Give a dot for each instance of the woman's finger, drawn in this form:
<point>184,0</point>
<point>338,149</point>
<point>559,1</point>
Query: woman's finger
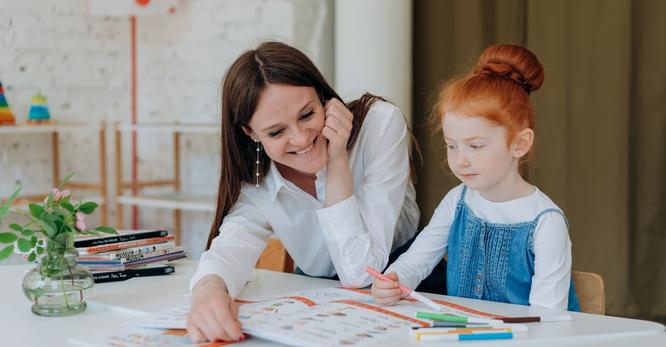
<point>228,322</point>
<point>336,106</point>
<point>335,124</point>
<point>195,334</point>
<point>212,328</point>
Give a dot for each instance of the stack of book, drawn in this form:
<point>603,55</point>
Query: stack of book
<point>131,253</point>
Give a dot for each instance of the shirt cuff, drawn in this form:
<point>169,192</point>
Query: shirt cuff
<point>206,269</point>
<point>341,221</point>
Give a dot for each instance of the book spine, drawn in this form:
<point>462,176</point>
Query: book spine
<point>123,245</point>
<point>116,276</point>
<point>135,257</point>
<point>112,255</point>
<point>120,238</point>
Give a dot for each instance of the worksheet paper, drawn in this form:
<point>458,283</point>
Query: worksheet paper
<point>322,317</point>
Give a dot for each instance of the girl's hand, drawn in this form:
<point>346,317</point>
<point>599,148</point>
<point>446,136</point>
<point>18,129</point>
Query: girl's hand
<point>337,128</point>
<point>213,313</point>
<point>387,293</point>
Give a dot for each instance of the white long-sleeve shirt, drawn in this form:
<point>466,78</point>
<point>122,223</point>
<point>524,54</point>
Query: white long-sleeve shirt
<point>341,239</point>
<point>552,247</point>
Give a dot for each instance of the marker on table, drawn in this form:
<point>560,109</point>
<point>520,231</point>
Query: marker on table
<point>473,320</point>
<point>558,318</point>
<point>516,328</point>
<point>456,319</point>
<point>463,337</point>
<point>420,298</point>
<point>429,330</point>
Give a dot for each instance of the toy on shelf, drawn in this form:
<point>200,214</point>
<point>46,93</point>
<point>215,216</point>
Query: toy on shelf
<point>39,111</point>
<point>6,115</point>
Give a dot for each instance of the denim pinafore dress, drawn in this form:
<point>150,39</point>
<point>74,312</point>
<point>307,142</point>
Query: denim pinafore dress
<point>491,261</point>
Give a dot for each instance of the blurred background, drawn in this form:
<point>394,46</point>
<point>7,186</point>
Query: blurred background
<point>146,76</point>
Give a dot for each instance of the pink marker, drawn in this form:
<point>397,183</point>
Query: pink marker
<point>420,298</point>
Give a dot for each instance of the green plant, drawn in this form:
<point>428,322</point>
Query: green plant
<point>58,219</point>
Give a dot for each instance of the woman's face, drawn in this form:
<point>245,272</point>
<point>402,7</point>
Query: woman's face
<point>288,123</point>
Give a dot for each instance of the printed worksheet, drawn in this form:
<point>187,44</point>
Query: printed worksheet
<point>321,317</point>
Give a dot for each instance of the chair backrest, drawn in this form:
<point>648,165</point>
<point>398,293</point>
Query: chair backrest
<point>591,293</point>
<point>275,257</point>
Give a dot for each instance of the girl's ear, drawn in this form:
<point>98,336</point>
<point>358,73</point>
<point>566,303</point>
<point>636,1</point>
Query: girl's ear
<point>248,131</point>
<point>522,143</point>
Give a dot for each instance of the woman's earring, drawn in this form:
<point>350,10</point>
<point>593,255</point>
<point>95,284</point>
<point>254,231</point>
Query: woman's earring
<point>257,163</point>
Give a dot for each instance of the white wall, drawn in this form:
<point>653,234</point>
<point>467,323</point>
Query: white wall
<point>373,50</point>
<point>82,64</point>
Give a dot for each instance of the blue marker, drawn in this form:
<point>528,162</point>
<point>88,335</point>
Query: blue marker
<point>463,337</point>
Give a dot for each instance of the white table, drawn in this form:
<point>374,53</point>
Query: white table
<point>111,304</point>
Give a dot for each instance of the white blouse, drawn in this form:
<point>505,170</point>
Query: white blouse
<point>342,239</point>
<point>552,247</point>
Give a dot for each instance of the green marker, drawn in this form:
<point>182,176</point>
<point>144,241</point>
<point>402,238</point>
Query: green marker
<point>457,319</point>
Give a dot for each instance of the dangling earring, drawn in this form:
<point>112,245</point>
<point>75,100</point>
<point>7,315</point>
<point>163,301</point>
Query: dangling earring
<point>257,163</point>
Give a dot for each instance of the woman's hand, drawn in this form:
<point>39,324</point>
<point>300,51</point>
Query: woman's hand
<point>387,293</point>
<point>213,315</point>
<point>337,128</point>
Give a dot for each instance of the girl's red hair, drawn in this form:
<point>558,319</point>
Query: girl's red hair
<point>497,89</point>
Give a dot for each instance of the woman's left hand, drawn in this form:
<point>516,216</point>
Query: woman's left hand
<point>337,128</point>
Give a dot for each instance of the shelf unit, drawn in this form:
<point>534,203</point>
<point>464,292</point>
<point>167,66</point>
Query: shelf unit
<point>177,200</point>
<point>275,257</point>
<point>54,130</point>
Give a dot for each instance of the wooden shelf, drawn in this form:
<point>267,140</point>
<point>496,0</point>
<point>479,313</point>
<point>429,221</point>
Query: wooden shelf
<point>170,128</point>
<point>47,128</point>
<point>177,200</point>
<point>171,201</point>
<point>23,203</point>
<point>53,130</point>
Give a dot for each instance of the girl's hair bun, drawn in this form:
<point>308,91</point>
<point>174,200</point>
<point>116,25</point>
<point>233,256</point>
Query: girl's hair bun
<point>512,62</point>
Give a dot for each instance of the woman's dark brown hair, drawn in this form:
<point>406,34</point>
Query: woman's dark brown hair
<point>246,79</point>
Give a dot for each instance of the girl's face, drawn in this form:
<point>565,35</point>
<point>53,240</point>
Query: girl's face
<point>478,154</point>
<point>288,121</point>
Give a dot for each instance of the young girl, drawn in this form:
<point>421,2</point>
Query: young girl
<point>330,180</point>
<point>506,241</point>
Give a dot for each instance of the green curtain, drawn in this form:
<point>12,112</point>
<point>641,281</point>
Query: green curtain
<point>600,152</point>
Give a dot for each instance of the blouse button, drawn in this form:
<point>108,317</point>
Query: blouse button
<point>479,276</point>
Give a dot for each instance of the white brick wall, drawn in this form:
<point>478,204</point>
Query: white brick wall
<point>82,64</point>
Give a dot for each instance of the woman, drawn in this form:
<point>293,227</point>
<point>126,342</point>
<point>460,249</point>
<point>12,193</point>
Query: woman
<point>330,180</point>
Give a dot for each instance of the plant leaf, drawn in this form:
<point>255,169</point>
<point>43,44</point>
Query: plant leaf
<point>66,205</point>
<point>27,233</point>
<point>6,252</point>
<point>47,229</point>
<point>32,257</point>
<point>88,207</point>
<point>15,227</point>
<point>36,210</point>
<point>7,237</point>
<point>24,245</point>
<point>107,230</point>
<point>4,208</point>
<point>65,180</point>
<point>40,249</point>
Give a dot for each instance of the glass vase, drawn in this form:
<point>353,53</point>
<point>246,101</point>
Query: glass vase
<point>58,285</point>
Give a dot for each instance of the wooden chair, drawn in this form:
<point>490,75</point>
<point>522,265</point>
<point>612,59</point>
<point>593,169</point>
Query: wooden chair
<point>590,290</point>
<point>275,257</point>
